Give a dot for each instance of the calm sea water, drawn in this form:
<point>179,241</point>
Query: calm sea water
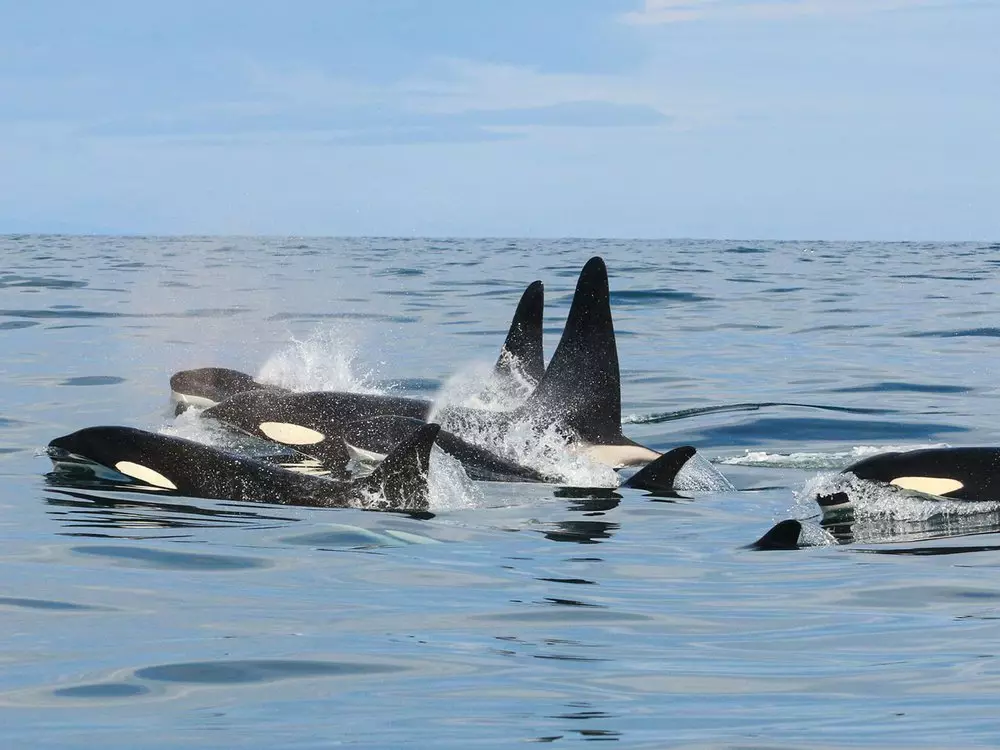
<point>517,613</point>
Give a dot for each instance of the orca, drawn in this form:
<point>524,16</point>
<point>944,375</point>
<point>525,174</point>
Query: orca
<point>313,422</point>
<point>196,470</point>
<point>520,356</point>
<point>964,474</point>
<point>581,390</point>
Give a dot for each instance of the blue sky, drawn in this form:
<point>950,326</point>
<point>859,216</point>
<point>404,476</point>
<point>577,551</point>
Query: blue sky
<point>783,119</point>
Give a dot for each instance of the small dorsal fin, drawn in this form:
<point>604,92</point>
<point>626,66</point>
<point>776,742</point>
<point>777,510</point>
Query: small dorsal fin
<point>523,348</point>
<point>783,535</point>
<point>402,476</point>
<point>659,475</point>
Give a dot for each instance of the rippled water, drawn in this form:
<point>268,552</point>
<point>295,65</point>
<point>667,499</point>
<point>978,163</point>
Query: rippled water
<point>518,612</point>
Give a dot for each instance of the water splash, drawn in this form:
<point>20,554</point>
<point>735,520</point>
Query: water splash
<point>190,426</point>
<point>546,448</point>
<point>449,486</point>
<point>816,461</point>
<point>698,475</point>
<point>326,360</point>
<point>877,501</point>
<point>478,386</point>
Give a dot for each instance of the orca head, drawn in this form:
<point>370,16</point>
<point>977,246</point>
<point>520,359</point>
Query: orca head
<point>135,453</point>
<point>521,353</point>
<point>206,386</point>
<point>277,416</point>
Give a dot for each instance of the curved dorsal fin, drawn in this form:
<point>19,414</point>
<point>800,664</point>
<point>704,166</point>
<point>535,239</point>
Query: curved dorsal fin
<point>523,347</point>
<point>659,475</point>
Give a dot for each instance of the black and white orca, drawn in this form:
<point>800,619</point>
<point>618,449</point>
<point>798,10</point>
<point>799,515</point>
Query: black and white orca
<point>334,427</point>
<point>197,470</point>
<point>313,423</point>
<point>966,474</point>
<point>581,389</point>
<point>521,359</point>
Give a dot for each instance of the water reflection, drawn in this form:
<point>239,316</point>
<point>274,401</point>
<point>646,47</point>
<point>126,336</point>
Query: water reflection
<point>848,528</point>
<point>78,509</point>
<point>588,502</point>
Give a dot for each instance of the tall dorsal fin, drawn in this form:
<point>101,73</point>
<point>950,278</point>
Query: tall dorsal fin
<point>523,348</point>
<point>402,476</point>
<point>581,389</point>
<point>659,476</point>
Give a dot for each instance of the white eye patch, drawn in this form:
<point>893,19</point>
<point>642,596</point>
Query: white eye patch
<point>145,474</point>
<point>291,434</point>
<point>928,485</point>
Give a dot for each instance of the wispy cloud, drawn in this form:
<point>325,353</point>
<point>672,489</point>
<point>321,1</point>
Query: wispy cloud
<point>676,11</point>
<point>449,101</point>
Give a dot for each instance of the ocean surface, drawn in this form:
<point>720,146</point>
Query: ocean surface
<point>517,613</point>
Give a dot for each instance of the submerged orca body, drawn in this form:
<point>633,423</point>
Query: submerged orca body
<point>520,355</point>
<point>965,474</point>
<point>197,470</point>
<point>380,434</point>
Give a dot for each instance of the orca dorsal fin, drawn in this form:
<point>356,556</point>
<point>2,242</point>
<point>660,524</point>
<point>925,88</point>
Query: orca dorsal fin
<point>659,475</point>
<point>783,535</point>
<point>402,477</point>
<point>581,389</point>
<point>522,350</point>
